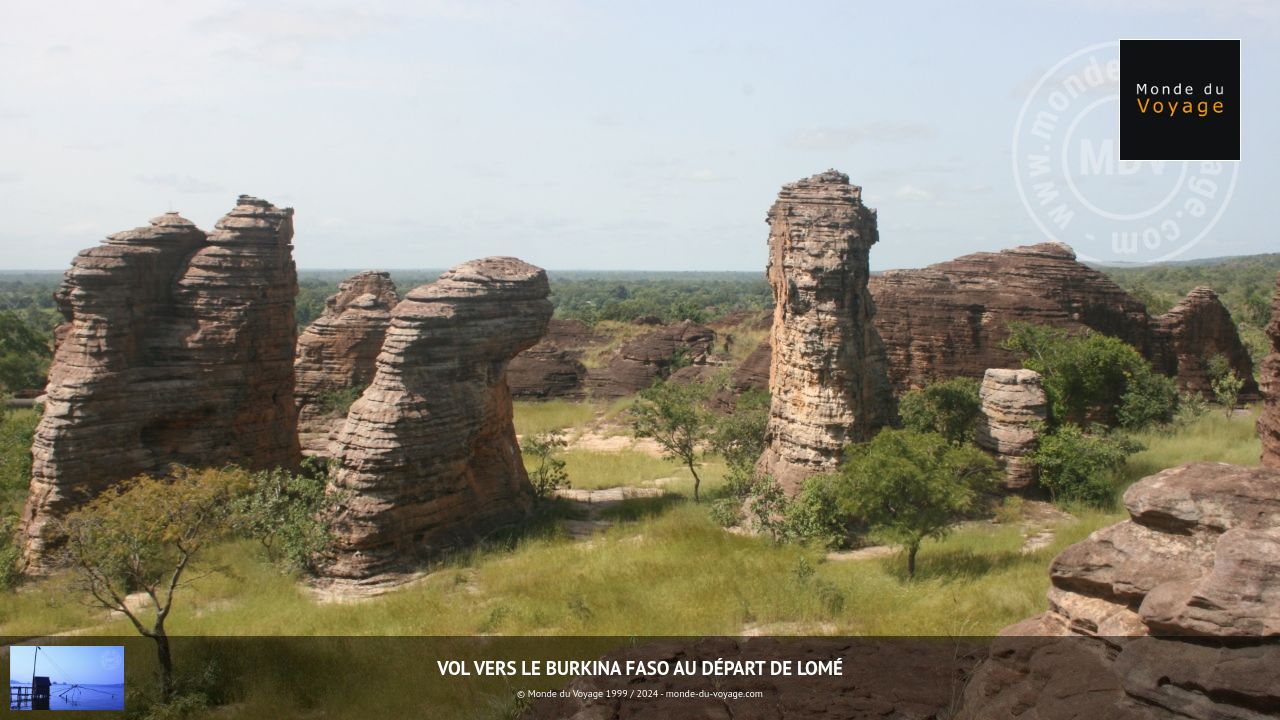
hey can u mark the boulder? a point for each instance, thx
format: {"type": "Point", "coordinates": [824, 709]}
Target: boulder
{"type": "Point", "coordinates": [553, 368]}
{"type": "Point", "coordinates": [337, 352]}
{"type": "Point", "coordinates": [176, 347]}
{"type": "Point", "coordinates": [427, 458]}
{"type": "Point", "coordinates": [827, 379]}
{"type": "Point", "coordinates": [1013, 412]}
{"type": "Point", "coordinates": [650, 357]}
{"type": "Point", "coordinates": [1174, 613]}
{"type": "Point", "coordinates": [1188, 336]}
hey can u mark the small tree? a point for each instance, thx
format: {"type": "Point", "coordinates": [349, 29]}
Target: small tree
{"type": "Point", "coordinates": [1224, 382]}
{"type": "Point", "coordinates": [287, 512]}
{"type": "Point", "coordinates": [675, 416]}
{"type": "Point", "coordinates": [947, 407]}
{"type": "Point", "coordinates": [548, 472]}
{"type": "Point", "coordinates": [142, 536]}
{"type": "Point", "coordinates": [739, 438]}
{"type": "Point", "coordinates": [909, 485]}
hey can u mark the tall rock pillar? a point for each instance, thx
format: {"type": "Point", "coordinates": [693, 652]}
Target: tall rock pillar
{"type": "Point", "coordinates": [827, 378]}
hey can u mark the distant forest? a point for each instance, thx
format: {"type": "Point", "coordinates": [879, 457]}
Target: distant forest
{"type": "Point", "coordinates": [28, 315]}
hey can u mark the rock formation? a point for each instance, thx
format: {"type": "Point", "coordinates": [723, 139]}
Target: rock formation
{"type": "Point", "coordinates": [827, 378]}
{"type": "Point", "coordinates": [336, 354]}
{"type": "Point", "coordinates": [427, 457]}
{"type": "Point", "coordinates": [1269, 423]}
{"type": "Point", "coordinates": [650, 357]}
{"type": "Point", "coordinates": [1174, 613]}
{"type": "Point", "coordinates": [553, 368]}
{"type": "Point", "coordinates": [177, 348]}
{"type": "Point", "coordinates": [1190, 334]}
{"type": "Point", "coordinates": [1013, 409]}
{"type": "Point", "coordinates": [950, 319]}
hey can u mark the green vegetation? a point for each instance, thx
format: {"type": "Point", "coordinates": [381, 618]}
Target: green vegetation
{"type": "Point", "coordinates": [1085, 374]}
{"type": "Point", "coordinates": [25, 352]}
{"type": "Point", "coordinates": [739, 439]}
{"type": "Point", "coordinates": [285, 511]}
{"type": "Point", "coordinates": [947, 407]}
{"type": "Point", "coordinates": [546, 470]}
{"type": "Point", "coordinates": [552, 415]}
{"type": "Point", "coordinates": [675, 416]}
{"type": "Point", "coordinates": [908, 486]}
{"type": "Point", "coordinates": [669, 297]}
{"type": "Point", "coordinates": [1076, 466]}
{"type": "Point", "coordinates": [1244, 284]}
{"type": "Point", "coordinates": [143, 535]}
{"type": "Point", "coordinates": [337, 403]}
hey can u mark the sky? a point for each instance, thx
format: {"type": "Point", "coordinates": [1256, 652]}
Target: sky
{"type": "Point", "coordinates": [575, 135]}
{"type": "Point", "coordinates": [81, 665]}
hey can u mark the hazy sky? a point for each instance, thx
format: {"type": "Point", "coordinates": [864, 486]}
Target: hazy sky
{"type": "Point", "coordinates": [598, 135]}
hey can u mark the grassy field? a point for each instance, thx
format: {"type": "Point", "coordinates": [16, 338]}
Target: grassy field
{"type": "Point", "coordinates": [663, 568]}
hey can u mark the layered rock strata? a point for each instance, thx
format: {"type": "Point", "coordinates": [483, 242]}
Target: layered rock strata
{"type": "Point", "coordinates": [336, 354]}
{"type": "Point", "coordinates": [1195, 330]}
{"type": "Point", "coordinates": [1269, 422]}
{"type": "Point", "coordinates": [177, 347]}
{"type": "Point", "coordinates": [827, 377]}
{"type": "Point", "coordinates": [952, 318]}
{"type": "Point", "coordinates": [650, 357]}
{"type": "Point", "coordinates": [1012, 414]}
{"type": "Point", "coordinates": [427, 458]}
{"type": "Point", "coordinates": [553, 368]}
{"type": "Point", "coordinates": [1174, 613]}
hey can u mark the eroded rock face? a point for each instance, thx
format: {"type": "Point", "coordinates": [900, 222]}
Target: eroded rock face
{"type": "Point", "coordinates": [950, 319]}
{"type": "Point", "coordinates": [336, 353]}
{"type": "Point", "coordinates": [1172, 613]}
{"type": "Point", "coordinates": [827, 378]}
{"type": "Point", "coordinates": [652, 356]}
{"type": "Point", "coordinates": [1194, 331]}
{"type": "Point", "coordinates": [553, 368]}
{"type": "Point", "coordinates": [177, 348]}
{"type": "Point", "coordinates": [1014, 408]}
{"type": "Point", "coordinates": [428, 455]}
{"type": "Point", "coordinates": [1269, 422]}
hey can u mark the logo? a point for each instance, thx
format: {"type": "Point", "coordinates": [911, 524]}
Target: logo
{"type": "Point", "coordinates": [1078, 190]}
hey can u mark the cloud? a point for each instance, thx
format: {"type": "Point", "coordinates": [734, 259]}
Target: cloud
{"type": "Point", "coordinates": [834, 138]}
{"type": "Point", "coordinates": [911, 192]}
{"type": "Point", "coordinates": [184, 184]}
{"type": "Point", "coordinates": [9, 176]}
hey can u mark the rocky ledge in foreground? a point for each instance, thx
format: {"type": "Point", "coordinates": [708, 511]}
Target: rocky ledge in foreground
{"type": "Point", "coordinates": [1174, 613]}
{"type": "Point", "coordinates": [177, 347]}
{"type": "Point", "coordinates": [427, 457]}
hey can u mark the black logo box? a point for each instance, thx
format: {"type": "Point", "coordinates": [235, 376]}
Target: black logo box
{"type": "Point", "coordinates": [1187, 68]}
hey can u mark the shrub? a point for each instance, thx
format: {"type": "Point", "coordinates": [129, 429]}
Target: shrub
{"type": "Point", "coordinates": [337, 403]}
{"type": "Point", "coordinates": [1224, 382]}
{"type": "Point", "coordinates": [814, 515]}
{"type": "Point", "coordinates": [1079, 466]}
{"type": "Point", "coordinates": [908, 486]}
{"type": "Point", "coordinates": [548, 472]}
{"type": "Point", "coordinates": [676, 417]}
{"type": "Point", "coordinates": [726, 512]}
{"type": "Point", "coordinates": [10, 552]}
{"type": "Point", "coordinates": [1093, 377]}
{"type": "Point", "coordinates": [947, 407]}
{"type": "Point", "coordinates": [739, 438]}
{"type": "Point", "coordinates": [286, 512]}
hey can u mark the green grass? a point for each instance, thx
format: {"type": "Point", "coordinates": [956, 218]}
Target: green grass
{"type": "Point", "coordinates": [536, 417]}
{"type": "Point", "coordinates": [1210, 437]}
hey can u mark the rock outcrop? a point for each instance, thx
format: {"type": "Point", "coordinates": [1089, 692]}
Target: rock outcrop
{"type": "Point", "coordinates": [1013, 411]}
{"type": "Point", "coordinates": [177, 348]}
{"type": "Point", "coordinates": [827, 379]}
{"type": "Point", "coordinates": [427, 458]}
{"type": "Point", "coordinates": [553, 368]}
{"type": "Point", "coordinates": [1269, 422]}
{"type": "Point", "coordinates": [1174, 613]}
{"type": "Point", "coordinates": [950, 319]}
{"type": "Point", "coordinates": [650, 357]}
{"type": "Point", "coordinates": [336, 354]}
{"type": "Point", "coordinates": [1190, 334]}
